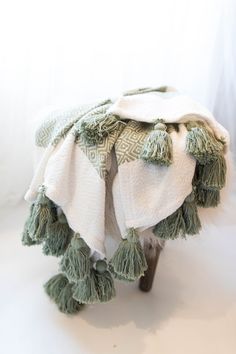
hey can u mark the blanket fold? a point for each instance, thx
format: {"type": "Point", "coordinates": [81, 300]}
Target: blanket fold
{"type": "Point", "coordinates": [169, 156]}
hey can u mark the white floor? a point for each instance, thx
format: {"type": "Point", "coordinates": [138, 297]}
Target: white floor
{"type": "Point", "coordinates": [191, 309]}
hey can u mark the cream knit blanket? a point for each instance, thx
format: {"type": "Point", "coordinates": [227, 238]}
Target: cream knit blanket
{"type": "Point", "coordinates": [74, 173]}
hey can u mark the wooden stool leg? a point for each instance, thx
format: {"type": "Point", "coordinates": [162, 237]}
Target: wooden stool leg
{"type": "Point", "coordinates": [152, 252]}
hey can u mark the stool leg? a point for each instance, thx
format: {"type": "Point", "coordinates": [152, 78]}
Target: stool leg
{"type": "Point", "coordinates": [152, 252]}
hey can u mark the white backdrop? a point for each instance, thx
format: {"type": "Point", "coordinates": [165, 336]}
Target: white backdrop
{"type": "Point", "coordinates": [69, 52]}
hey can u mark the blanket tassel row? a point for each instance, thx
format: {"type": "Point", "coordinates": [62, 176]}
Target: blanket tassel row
{"type": "Point", "coordinates": [210, 172]}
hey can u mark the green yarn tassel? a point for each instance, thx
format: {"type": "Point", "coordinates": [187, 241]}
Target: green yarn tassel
{"type": "Point", "coordinates": [117, 276]}
{"type": "Point", "coordinates": [66, 303]}
{"type": "Point", "coordinates": [54, 286]}
{"type": "Point", "coordinates": [201, 143]}
{"type": "Point", "coordinates": [190, 215]}
{"type": "Point", "coordinates": [59, 290]}
{"type": "Point", "coordinates": [97, 127]}
{"type": "Point", "coordinates": [43, 214]}
{"type": "Point", "coordinates": [85, 290]}
{"type": "Point", "coordinates": [171, 227]}
{"type": "Point", "coordinates": [26, 239]}
{"type": "Point", "coordinates": [76, 263]}
{"type": "Point", "coordinates": [129, 260]}
{"type": "Point", "coordinates": [97, 287]}
{"type": "Point", "coordinates": [158, 146]}
{"type": "Point", "coordinates": [59, 235]}
{"type": "Point", "coordinates": [213, 175]}
{"type": "Point", "coordinates": [207, 197]}
{"type": "Point", "coordinates": [104, 282]}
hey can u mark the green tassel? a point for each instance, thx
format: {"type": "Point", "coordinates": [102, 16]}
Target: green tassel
{"type": "Point", "coordinates": [54, 286]}
{"type": "Point", "coordinates": [44, 213]}
{"type": "Point", "coordinates": [201, 143]}
{"type": "Point", "coordinates": [58, 237]}
{"type": "Point", "coordinates": [157, 147]}
{"type": "Point", "coordinates": [59, 290]}
{"type": "Point", "coordinates": [104, 282]}
{"type": "Point", "coordinates": [97, 127]}
{"type": "Point", "coordinates": [213, 174]}
{"type": "Point", "coordinates": [207, 197]}
{"type": "Point", "coordinates": [76, 262]}
{"type": "Point", "coordinates": [117, 276]}
{"type": "Point", "coordinates": [129, 260]}
{"type": "Point", "coordinates": [26, 239]}
{"type": "Point", "coordinates": [66, 303]}
{"type": "Point", "coordinates": [85, 290]}
{"type": "Point", "coordinates": [171, 227]}
{"type": "Point", "coordinates": [190, 216]}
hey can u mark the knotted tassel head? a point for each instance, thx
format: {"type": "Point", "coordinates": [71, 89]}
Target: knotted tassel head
{"type": "Point", "coordinates": [157, 147]}
{"type": "Point", "coordinates": [104, 282]}
{"type": "Point", "coordinates": [129, 261]}
{"type": "Point", "coordinates": [59, 290]}
{"type": "Point", "coordinates": [75, 262]}
{"type": "Point", "coordinates": [96, 127]}
{"type": "Point", "coordinates": [201, 143]}
{"type": "Point", "coordinates": [43, 214]}
{"type": "Point", "coordinates": [213, 174]}
{"type": "Point", "coordinates": [171, 227]}
{"type": "Point", "coordinates": [59, 235]}
{"type": "Point", "coordinates": [190, 215]}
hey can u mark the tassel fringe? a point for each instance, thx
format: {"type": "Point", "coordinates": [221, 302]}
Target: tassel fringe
{"type": "Point", "coordinates": [26, 239]}
{"type": "Point", "coordinates": [158, 146]}
{"type": "Point", "coordinates": [98, 287]}
{"type": "Point", "coordinates": [59, 290]}
{"type": "Point", "coordinates": [190, 216]}
{"type": "Point", "coordinates": [207, 198]}
{"type": "Point", "coordinates": [76, 263]}
{"type": "Point", "coordinates": [129, 261]}
{"type": "Point", "coordinates": [171, 227]}
{"type": "Point", "coordinates": [59, 235]}
{"type": "Point", "coordinates": [43, 214]}
{"type": "Point", "coordinates": [202, 144]}
{"type": "Point", "coordinates": [98, 127]}
{"type": "Point", "coordinates": [213, 175]}
{"type": "Point", "coordinates": [85, 290]}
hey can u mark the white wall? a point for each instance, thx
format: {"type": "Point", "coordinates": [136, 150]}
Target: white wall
{"type": "Point", "coordinates": [67, 52]}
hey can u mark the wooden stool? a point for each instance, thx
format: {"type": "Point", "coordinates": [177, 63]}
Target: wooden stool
{"type": "Point", "coordinates": [152, 252]}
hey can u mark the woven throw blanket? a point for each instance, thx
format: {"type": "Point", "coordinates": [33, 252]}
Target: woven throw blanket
{"type": "Point", "coordinates": [169, 154]}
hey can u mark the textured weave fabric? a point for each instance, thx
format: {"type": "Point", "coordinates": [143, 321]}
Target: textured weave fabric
{"type": "Point", "coordinates": [75, 173]}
